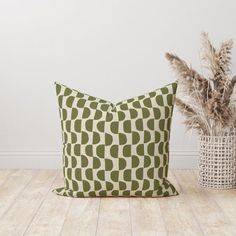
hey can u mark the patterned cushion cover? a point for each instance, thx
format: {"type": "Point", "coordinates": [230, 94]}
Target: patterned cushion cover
{"type": "Point", "coordinates": [116, 149]}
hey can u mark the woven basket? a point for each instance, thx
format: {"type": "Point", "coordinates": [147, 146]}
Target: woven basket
{"type": "Point", "coordinates": [217, 162]}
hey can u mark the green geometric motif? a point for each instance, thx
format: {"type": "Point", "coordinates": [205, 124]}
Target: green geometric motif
{"type": "Point", "coordinates": [116, 149]}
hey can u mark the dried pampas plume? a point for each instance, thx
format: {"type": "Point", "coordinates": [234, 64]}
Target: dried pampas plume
{"type": "Point", "coordinates": [208, 103]}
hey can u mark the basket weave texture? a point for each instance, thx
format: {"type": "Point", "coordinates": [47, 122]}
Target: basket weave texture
{"type": "Point", "coordinates": [217, 162]}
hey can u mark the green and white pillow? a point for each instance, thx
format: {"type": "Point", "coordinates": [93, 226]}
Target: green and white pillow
{"type": "Point", "coordinates": [116, 149]}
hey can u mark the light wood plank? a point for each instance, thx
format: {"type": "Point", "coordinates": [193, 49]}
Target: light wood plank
{"type": "Point", "coordinates": [4, 175]}
{"type": "Point", "coordinates": [177, 215]}
{"type": "Point", "coordinates": [52, 213]}
{"type": "Point", "coordinates": [12, 187]}
{"type": "Point", "coordinates": [211, 218]}
{"type": "Point", "coordinates": [146, 217]}
{"type": "Point", "coordinates": [17, 218]}
{"type": "Point", "coordinates": [226, 200]}
{"type": "Point", "coordinates": [26, 199]}
{"type": "Point", "coordinates": [114, 217]}
{"type": "Point", "coordinates": [82, 217]}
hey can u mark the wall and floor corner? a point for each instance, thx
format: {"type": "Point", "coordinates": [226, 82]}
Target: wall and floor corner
{"type": "Point", "coordinates": [111, 49]}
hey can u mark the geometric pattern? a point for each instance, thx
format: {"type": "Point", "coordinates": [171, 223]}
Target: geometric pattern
{"type": "Point", "coordinates": [116, 149]}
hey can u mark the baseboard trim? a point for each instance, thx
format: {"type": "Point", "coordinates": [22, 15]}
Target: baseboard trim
{"type": "Point", "coordinates": [53, 159]}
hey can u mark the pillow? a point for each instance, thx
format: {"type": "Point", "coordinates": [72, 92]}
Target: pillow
{"type": "Point", "coordinates": [116, 149]}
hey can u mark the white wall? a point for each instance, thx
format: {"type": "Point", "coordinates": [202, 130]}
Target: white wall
{"type": "Point", "coordinates": [110, 49]}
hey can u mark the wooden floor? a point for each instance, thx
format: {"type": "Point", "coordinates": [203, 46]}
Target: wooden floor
{"type": "Point", "coordinates": [28, 207]}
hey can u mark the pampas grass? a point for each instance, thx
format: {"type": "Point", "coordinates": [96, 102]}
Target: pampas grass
{"type": "Point", "coordinates": [207, 103]}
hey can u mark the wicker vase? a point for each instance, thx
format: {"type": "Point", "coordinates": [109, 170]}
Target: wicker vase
{"type": "Point", "coordinates": [217, 162]}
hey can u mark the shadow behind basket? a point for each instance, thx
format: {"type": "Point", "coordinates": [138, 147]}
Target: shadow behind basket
{"type": "Point", "coordinates": [217, 162]}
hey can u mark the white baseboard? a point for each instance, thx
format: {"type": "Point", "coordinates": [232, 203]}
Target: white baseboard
{"type": "Point", "coordinates": [183, 159]}
{"type": "Point", "coordinates": [53, 160]}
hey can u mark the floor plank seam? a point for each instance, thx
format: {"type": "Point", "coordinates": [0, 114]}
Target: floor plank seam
{"type": "Point", "coordinates": [130, 218]}
{"type": "Point", "coordinates": [98, 218]}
